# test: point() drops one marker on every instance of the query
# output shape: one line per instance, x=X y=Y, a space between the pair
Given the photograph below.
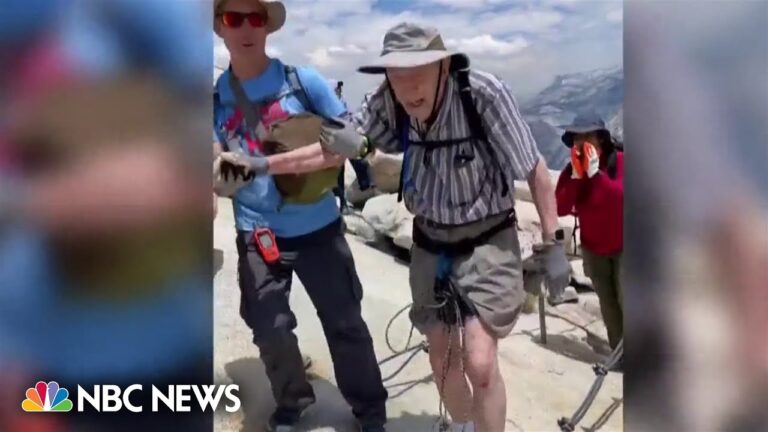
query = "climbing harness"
x=452 y=303
x=601 y=371
x=451 y=310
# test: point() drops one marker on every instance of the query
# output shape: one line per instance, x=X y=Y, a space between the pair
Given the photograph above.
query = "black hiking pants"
x=323 y=262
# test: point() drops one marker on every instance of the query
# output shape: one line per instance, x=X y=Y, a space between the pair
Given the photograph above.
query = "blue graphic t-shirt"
x=259 y=203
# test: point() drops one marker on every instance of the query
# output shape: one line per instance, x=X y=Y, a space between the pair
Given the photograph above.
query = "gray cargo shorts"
x=491 y=276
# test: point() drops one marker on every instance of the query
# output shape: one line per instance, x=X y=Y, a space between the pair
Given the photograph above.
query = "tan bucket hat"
x=409 y=45
x=275 y=13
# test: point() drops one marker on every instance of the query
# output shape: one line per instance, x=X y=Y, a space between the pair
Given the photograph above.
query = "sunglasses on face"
x=236 y=19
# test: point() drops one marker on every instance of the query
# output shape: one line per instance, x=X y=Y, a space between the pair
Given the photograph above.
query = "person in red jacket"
x=591 y=188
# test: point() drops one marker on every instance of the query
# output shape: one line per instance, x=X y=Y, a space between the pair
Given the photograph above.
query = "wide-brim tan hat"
x=410 y=45
x=275 y=13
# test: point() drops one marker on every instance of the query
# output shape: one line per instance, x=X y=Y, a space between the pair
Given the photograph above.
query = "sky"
x=525 y=42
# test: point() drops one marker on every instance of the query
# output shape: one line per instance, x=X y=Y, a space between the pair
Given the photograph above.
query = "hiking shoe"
x=284 y=420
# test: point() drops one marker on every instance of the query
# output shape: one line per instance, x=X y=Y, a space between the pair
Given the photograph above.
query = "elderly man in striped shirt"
x=464 y=142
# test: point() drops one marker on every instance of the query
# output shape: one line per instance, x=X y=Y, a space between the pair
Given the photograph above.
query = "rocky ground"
x=544 y=382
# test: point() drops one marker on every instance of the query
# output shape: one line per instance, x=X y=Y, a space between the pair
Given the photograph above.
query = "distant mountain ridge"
x=601 y=90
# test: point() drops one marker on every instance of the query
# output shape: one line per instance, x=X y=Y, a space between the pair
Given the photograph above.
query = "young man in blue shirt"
x=310 y=237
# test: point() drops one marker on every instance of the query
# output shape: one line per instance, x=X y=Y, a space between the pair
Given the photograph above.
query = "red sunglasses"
x=236 y=19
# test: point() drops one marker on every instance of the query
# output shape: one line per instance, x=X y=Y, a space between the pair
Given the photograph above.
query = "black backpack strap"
x=402 y=123
x=468 y=104
x=476 y=128
x=295 y=86
x=252 y=117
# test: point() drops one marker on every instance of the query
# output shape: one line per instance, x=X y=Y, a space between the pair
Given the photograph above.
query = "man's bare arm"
x=304 y=160
x=543 y=193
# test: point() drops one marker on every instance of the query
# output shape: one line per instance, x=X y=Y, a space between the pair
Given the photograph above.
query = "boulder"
x=386 y=215
x=358 y=226
x=385 y=171
x=355 y=196
x=349 y=175
x=528 y=221
x=403 y=238
x=523 y=191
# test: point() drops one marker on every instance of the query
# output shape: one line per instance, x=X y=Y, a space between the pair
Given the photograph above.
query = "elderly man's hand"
x=340 y=137
x=552 y=261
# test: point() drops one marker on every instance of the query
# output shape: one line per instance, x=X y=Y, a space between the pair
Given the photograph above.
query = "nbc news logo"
x=47 y=397
x=51 y=397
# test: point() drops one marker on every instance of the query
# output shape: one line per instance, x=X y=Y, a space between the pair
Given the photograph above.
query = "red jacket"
x=599 y=204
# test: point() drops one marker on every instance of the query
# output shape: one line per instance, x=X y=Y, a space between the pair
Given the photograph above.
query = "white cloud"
x=346 y=49
x=615 y=16
x=488 y=45
x=320 y=57
x=520 y=41
x=326 y=56
x=463 y=4
x=535 y=21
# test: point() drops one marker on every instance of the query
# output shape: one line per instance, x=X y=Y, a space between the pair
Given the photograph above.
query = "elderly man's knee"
x=482 y=368
x=482 y=358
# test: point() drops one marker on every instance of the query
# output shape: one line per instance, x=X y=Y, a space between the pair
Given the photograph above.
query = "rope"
x=442 y=423
x=408 y=349
x=389 y=326
x=601 y=371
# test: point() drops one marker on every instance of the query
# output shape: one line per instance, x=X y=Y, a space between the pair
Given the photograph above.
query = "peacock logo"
x=47 y=398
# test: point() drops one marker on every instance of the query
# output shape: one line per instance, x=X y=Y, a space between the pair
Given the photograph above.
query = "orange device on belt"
x=265 y=241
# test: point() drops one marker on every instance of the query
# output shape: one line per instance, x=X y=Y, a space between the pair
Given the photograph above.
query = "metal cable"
x=601 y=370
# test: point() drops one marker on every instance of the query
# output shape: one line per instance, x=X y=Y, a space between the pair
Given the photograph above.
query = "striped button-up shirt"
x=444 y=188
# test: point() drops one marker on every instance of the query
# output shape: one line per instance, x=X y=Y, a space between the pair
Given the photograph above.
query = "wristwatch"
x=366 y=149
x=557 y=236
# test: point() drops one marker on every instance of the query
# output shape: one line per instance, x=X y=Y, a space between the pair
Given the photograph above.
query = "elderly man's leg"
x=482 y=366
x=448 y=372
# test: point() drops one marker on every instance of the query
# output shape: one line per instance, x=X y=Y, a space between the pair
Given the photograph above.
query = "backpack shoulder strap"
x=295 y=86
x=252 y=117
x=468 y=104
x=475 y=121
x=401 y=125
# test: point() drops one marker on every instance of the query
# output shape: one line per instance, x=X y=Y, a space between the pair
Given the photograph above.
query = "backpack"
x=477 y=131
x=305 y=188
